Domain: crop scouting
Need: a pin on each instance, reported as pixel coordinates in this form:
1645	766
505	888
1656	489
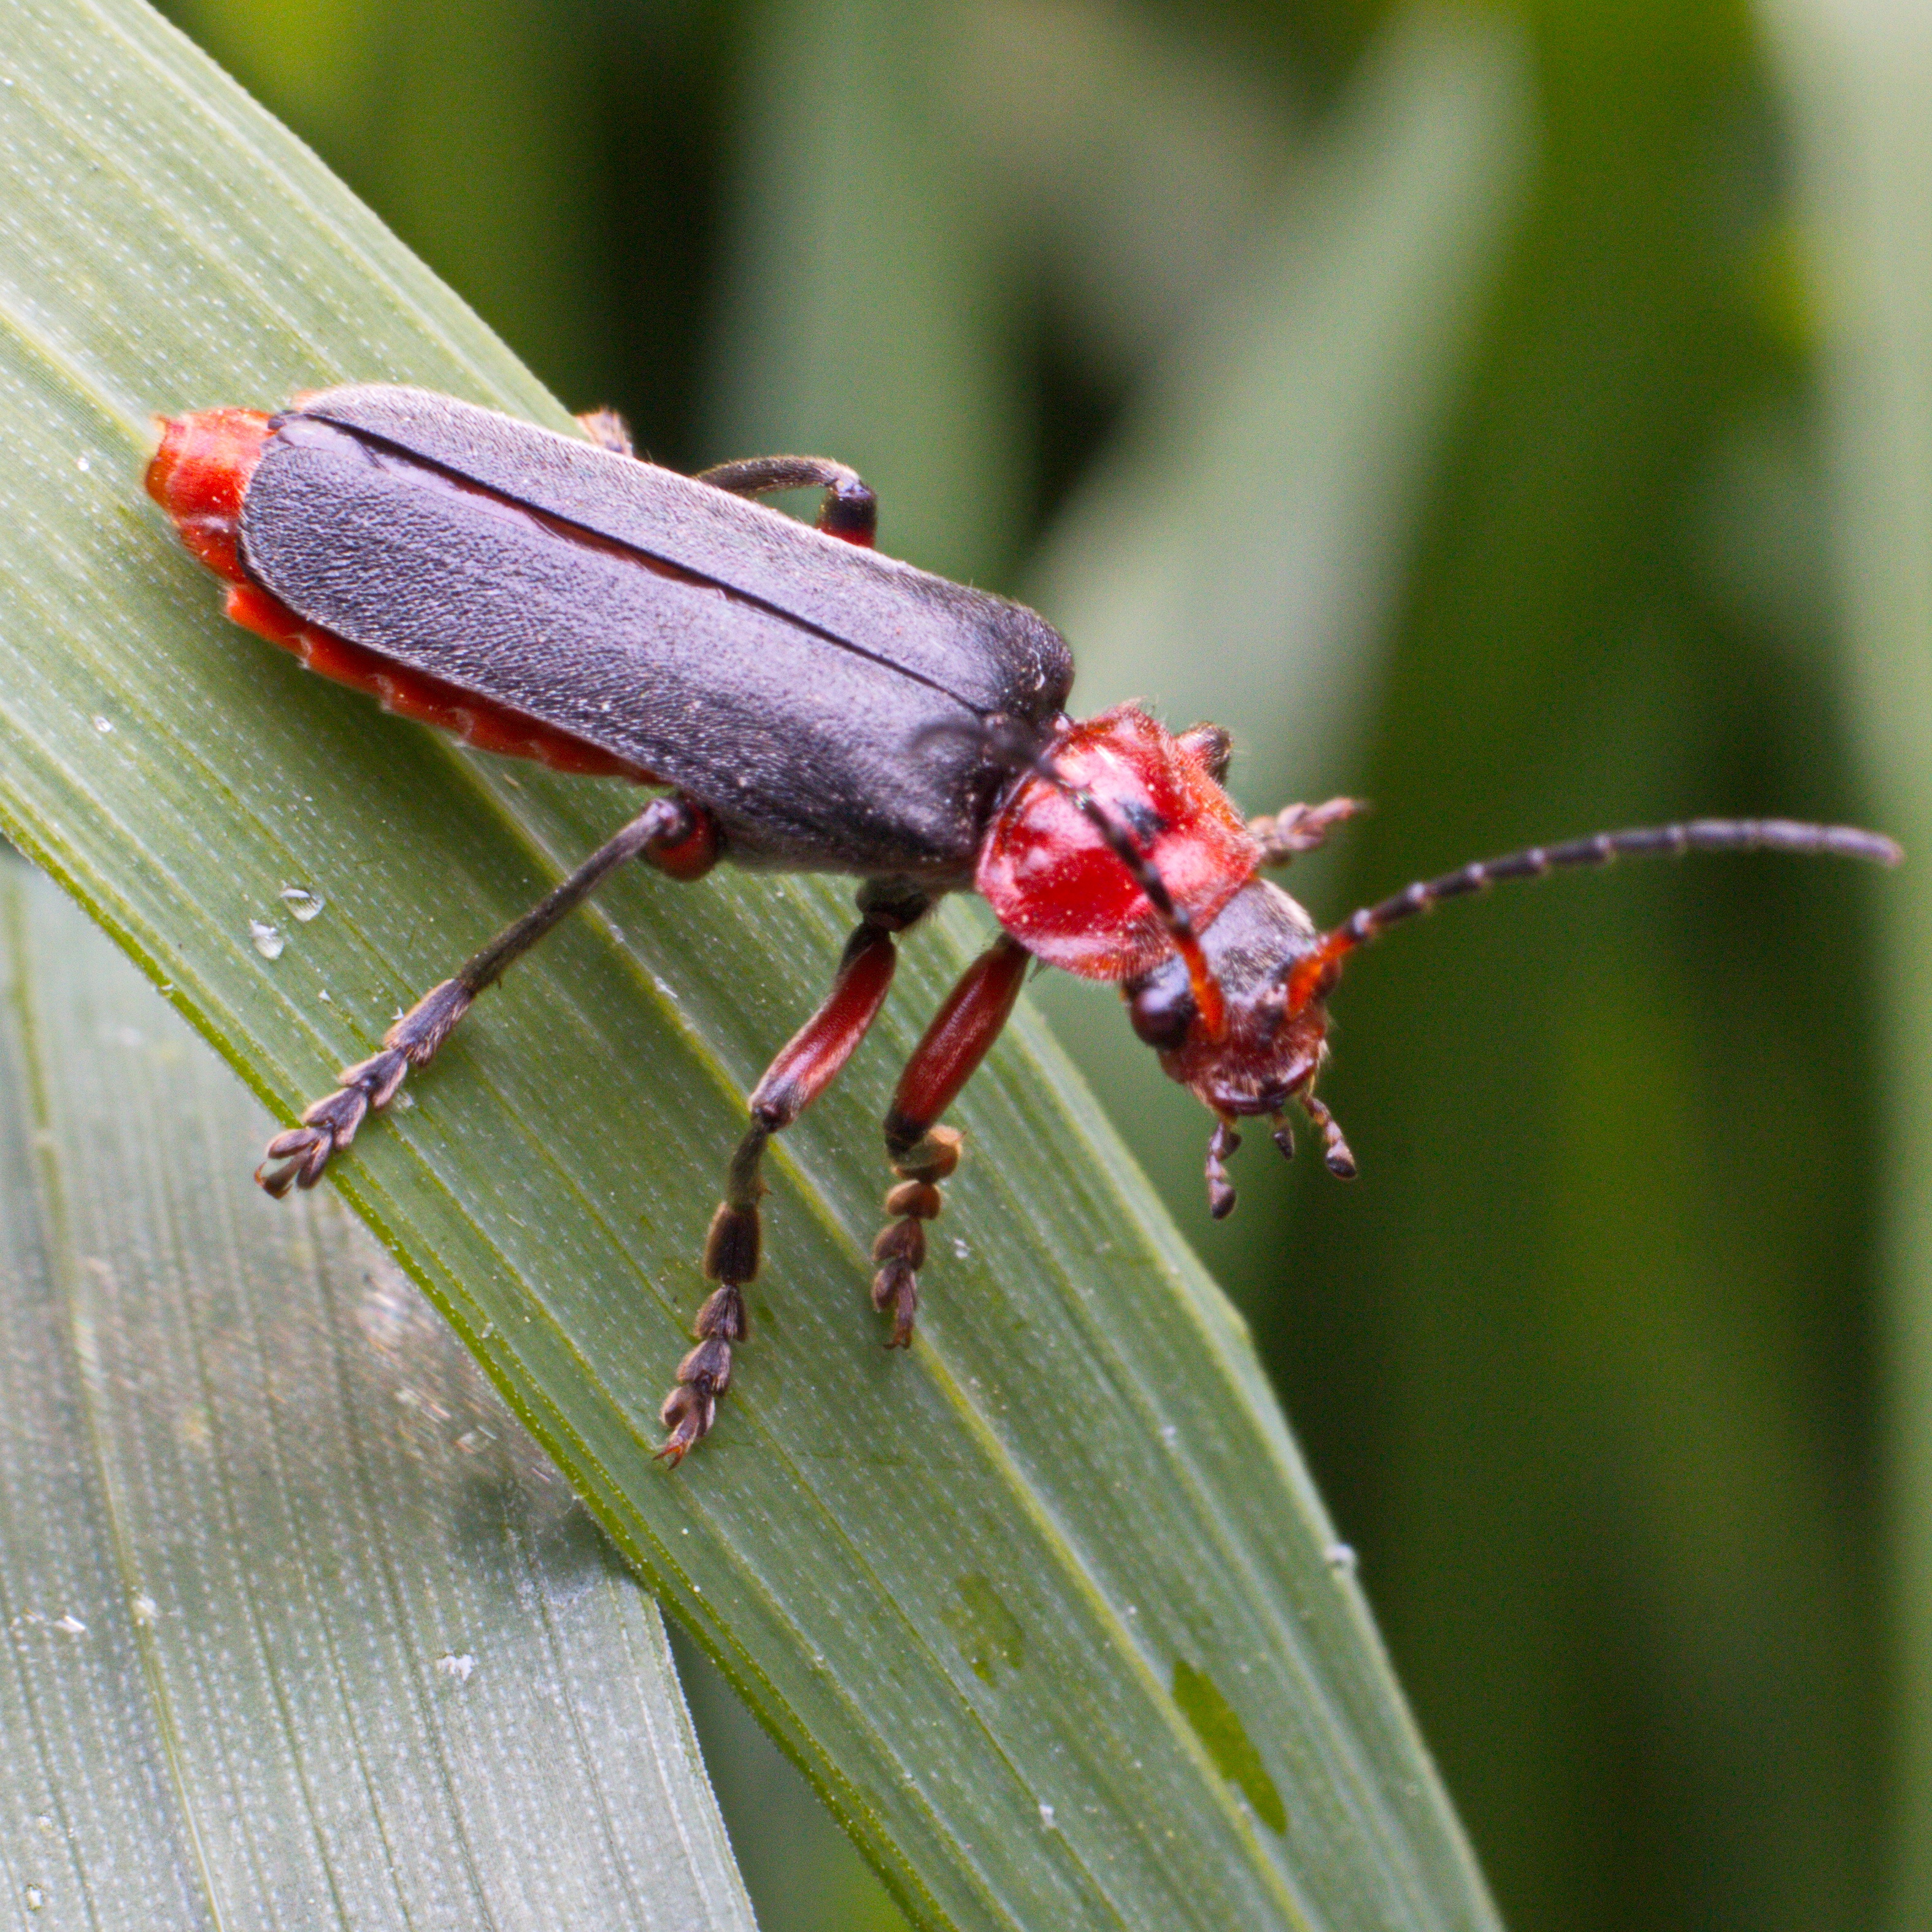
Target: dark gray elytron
824	702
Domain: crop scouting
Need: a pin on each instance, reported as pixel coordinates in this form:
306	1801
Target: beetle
805	704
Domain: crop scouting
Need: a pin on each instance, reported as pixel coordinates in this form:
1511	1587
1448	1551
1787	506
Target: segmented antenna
1315	974
1021	751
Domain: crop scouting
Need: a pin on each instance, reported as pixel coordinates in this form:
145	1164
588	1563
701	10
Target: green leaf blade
304	1630
957	1585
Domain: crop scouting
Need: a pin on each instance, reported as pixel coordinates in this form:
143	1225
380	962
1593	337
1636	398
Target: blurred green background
1441	401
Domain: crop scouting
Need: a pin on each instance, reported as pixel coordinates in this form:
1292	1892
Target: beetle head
1265	1054
1273	972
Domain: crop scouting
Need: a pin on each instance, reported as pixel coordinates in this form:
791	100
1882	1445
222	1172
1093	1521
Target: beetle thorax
1054	884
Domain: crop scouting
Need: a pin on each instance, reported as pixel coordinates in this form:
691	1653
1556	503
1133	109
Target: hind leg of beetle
1335	1152
1295	829
848	509
808	1064
671	832
922	1154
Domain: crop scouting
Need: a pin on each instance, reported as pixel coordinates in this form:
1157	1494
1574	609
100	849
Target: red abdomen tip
200	476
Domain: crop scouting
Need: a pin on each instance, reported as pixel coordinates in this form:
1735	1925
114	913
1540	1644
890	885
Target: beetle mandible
808	705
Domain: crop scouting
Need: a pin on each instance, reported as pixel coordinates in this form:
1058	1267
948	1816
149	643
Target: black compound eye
1161	1009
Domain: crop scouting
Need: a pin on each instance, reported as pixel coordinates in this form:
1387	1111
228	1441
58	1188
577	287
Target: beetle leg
1211	746
1335	1151
1221	1144
1296	829
808	1064
921	1153
671	830
609	431
849	510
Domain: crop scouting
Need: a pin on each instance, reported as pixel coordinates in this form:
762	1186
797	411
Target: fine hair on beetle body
798	702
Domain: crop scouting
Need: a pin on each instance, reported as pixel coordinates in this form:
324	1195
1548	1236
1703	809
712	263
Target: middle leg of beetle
670	828
922	1154
808	1064
847	510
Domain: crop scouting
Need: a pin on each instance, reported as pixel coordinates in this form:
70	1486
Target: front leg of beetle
672	832
1295	829
922	1153
808	1064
